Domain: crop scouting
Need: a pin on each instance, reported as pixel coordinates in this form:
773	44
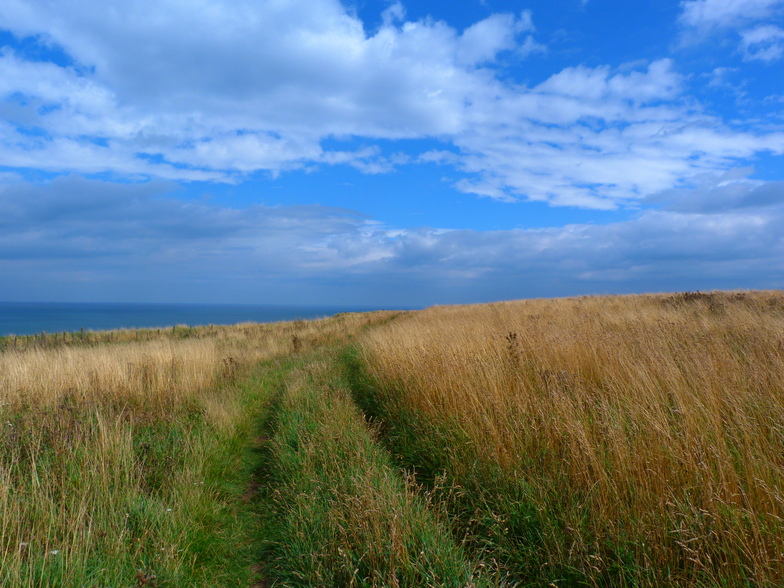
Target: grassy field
124	457
594	441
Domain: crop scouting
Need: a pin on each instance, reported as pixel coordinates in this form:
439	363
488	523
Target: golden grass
113	449
154	370
647	431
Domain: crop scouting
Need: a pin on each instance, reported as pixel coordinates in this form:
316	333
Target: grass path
334	509
127	458
122	499
625	441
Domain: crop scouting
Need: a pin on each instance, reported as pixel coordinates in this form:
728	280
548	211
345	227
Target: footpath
332	508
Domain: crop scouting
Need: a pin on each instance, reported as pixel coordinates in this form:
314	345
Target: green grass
338	513
92	496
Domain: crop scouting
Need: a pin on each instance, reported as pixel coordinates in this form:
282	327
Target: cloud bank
98	239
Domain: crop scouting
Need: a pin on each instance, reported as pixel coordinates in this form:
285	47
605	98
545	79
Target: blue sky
388	153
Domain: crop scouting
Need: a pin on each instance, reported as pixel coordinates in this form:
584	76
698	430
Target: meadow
599	441
591	441
124	455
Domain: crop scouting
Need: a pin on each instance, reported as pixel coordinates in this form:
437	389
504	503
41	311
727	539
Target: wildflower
54	551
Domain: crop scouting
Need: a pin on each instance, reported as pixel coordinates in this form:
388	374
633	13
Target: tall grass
233	333
601	440
121	459
338	513
115	366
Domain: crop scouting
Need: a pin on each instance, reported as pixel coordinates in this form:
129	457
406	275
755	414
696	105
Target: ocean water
17	318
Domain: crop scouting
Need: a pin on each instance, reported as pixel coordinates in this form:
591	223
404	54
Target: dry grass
645	433
119	367
114	449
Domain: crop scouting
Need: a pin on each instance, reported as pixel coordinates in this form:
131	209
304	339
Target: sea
28	318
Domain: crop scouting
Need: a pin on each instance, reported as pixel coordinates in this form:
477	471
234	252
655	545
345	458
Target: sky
388	153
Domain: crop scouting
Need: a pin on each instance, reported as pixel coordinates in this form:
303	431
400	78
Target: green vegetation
115	496
337	512
129	462
613	441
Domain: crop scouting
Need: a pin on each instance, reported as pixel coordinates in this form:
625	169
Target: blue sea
27	318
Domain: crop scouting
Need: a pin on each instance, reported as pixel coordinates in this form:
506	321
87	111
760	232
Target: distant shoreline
28	318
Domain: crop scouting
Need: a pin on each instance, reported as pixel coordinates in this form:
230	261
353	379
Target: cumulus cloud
275	66
242	86
212	91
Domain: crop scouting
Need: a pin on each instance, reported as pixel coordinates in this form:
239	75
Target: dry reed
645	432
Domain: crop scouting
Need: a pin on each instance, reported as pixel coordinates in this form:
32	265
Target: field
125	456
593	441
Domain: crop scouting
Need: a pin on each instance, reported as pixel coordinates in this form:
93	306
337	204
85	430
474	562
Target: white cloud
763	43
587	137
393	13
760	40
245	152
281	65
208	90
482	41
188	80
722	78
530	46
706	15
593	84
